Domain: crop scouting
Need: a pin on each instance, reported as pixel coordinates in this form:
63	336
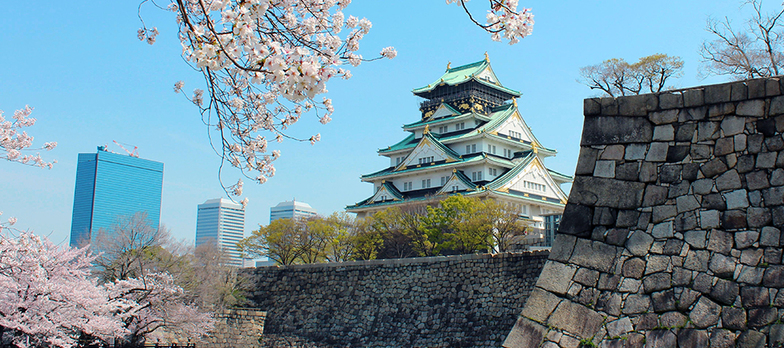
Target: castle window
443	180
460	126
426	183
443	129
425	160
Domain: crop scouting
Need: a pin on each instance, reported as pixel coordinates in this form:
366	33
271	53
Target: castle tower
471	140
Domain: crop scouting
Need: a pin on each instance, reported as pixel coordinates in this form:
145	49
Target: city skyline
221	222
105	85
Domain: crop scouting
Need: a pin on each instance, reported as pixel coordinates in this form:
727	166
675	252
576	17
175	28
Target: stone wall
672	233
238	327
447	301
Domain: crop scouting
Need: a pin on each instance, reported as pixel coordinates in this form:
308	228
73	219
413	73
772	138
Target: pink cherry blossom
15	143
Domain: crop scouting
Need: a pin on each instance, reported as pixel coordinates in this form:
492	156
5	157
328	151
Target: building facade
110	186
472	140
291	210
222	222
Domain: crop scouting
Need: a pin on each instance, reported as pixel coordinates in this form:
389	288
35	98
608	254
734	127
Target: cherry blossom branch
14	141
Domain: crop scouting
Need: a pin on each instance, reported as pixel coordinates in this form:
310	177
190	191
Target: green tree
616	77
453	227
343	239
278	241
506	227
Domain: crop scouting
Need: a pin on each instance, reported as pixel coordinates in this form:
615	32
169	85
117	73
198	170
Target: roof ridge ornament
448	65
427	129
487	58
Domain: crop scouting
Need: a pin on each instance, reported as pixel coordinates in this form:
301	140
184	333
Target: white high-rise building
221	221
290	210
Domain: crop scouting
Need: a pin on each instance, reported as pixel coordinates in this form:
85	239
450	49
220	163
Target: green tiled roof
503	179
390	170
464	73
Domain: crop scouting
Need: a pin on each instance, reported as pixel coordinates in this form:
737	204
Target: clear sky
91	81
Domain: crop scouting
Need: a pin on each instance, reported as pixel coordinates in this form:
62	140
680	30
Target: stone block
696	239
756	88
660	338
525	333
757	180
576	319
627	218
687	203
635	152
663	301
745	164
663	230
664	117
657	282
562	247
715	94
776	335
657	263
612	152
729	180
577	219
739	91
733	219
700	152
654	195
610	303
707	130
752	296
604	130
723	339
713	168
725	292
686	299
773	196
714	201
657	152
673	247
750	275
710	219
770	236
754	143
702	186
693	97
720	241
691	338
685	132
732	125
685	221
556	277
722	266
754	108
772	87
772	256
637	105
539	305
766	160
648	172
663	212
774	143
777	177
776	106
751	338
609	193
636	304
608	281
705	313
673	100
693	114
745	239
619	327
774	276
733	318
592	107
766	126
697	260
751	257
665	132
677	153
586	161
604	169
737	199
758	217
670	173
762	316
617	236
604	216
587	277
724	146
595	255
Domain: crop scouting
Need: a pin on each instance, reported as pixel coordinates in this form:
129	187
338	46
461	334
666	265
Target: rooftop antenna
133	153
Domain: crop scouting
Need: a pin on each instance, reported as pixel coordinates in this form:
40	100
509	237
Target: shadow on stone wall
672	233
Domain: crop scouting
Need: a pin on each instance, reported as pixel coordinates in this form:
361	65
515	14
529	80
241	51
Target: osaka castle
471	139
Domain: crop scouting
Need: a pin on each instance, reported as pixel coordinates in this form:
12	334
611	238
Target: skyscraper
222	222
111	186
291	210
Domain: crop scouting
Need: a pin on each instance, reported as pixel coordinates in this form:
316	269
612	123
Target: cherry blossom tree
47	297
15	142
154	303
265	63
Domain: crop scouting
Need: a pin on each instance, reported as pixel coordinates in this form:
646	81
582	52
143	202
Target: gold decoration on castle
464	106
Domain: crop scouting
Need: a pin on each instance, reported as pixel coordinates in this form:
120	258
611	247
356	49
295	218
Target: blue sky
91	81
